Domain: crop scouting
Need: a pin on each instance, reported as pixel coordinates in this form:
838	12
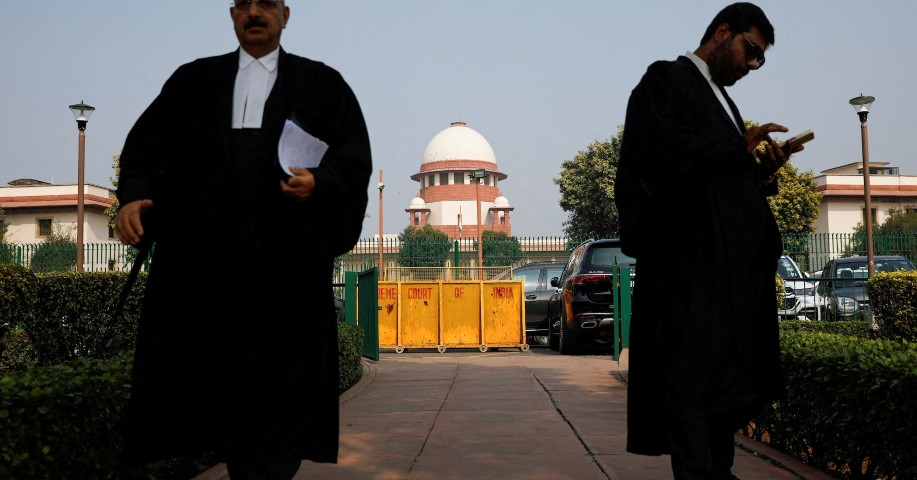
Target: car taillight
588	278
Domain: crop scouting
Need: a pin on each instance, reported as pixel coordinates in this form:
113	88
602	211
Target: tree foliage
897	221
796	203
587	193
423	247
499	249
895	236
57	253
112	209
586	185
3	225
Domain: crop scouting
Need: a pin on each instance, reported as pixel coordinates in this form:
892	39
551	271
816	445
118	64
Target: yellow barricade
452	314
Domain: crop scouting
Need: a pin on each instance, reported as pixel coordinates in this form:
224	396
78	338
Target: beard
724	70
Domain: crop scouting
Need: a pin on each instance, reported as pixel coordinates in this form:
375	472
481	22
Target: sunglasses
752	50
244	5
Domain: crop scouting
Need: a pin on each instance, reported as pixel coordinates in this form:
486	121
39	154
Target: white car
801	301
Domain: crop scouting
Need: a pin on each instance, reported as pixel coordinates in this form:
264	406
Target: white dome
458	142
418	202
501	202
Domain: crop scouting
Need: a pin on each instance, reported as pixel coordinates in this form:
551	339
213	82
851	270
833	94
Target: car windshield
603	257
786	269
893	265
852	275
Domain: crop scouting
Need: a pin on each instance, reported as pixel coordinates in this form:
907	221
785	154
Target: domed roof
501	202
418	202
458	142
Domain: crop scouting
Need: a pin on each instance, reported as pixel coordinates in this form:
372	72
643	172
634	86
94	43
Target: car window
554	272
529	277
786	269
572	262
604	257
893	265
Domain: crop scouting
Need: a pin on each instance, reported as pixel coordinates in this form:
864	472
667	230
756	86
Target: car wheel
567	342
553	341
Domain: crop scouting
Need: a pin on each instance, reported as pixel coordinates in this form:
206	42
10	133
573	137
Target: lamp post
381	186
81	112
861	104
477	175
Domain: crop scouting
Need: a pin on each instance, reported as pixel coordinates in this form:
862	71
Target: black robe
693	211
237	347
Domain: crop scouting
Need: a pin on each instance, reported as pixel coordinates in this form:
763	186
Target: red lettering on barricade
503	292
421	293
388	293
459	292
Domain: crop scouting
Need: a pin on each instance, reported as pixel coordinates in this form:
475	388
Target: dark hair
741	17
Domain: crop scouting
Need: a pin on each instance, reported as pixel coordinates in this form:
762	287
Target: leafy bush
847	406
350	348
17	294
62	421
16	351
893	300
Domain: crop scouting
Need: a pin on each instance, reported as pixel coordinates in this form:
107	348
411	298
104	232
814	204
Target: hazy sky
539	79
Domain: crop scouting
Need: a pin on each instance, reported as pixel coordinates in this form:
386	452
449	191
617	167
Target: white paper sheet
297	148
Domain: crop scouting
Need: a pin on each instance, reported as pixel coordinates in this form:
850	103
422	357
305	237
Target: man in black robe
704	354
237	349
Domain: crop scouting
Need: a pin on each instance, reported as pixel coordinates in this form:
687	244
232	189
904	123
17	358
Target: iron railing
811	252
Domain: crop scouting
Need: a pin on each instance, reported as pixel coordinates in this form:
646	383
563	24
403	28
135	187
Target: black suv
536	277
843	284
581	311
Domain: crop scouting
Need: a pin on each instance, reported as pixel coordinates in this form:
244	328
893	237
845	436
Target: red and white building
449	195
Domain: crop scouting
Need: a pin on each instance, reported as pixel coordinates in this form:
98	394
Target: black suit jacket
703	338
237	346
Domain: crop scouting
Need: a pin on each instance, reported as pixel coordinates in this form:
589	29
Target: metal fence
811	252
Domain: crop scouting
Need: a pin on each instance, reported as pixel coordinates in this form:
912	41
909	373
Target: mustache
254	22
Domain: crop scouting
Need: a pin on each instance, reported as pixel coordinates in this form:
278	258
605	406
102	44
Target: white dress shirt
705	70
254	81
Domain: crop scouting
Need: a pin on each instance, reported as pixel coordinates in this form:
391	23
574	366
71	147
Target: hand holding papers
297	148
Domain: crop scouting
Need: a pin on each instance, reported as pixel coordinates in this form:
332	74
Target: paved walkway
467	415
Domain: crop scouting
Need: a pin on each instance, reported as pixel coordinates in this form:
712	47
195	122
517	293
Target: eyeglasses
244	5
752	50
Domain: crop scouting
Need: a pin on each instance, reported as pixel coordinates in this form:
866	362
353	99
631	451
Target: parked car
537	289
843	284
800	301
581	310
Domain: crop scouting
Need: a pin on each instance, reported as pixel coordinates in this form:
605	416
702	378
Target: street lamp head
861	104
81	112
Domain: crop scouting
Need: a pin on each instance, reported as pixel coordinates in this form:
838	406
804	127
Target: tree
898	221
57	253
895	236
6	251
3	226
423	247
499	249
796	203
112	209
587	189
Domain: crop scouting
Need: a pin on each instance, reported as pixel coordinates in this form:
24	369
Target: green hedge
893	300
849	408
63	421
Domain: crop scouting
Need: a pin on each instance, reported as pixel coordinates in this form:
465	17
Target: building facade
843	204
35	210
458	175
